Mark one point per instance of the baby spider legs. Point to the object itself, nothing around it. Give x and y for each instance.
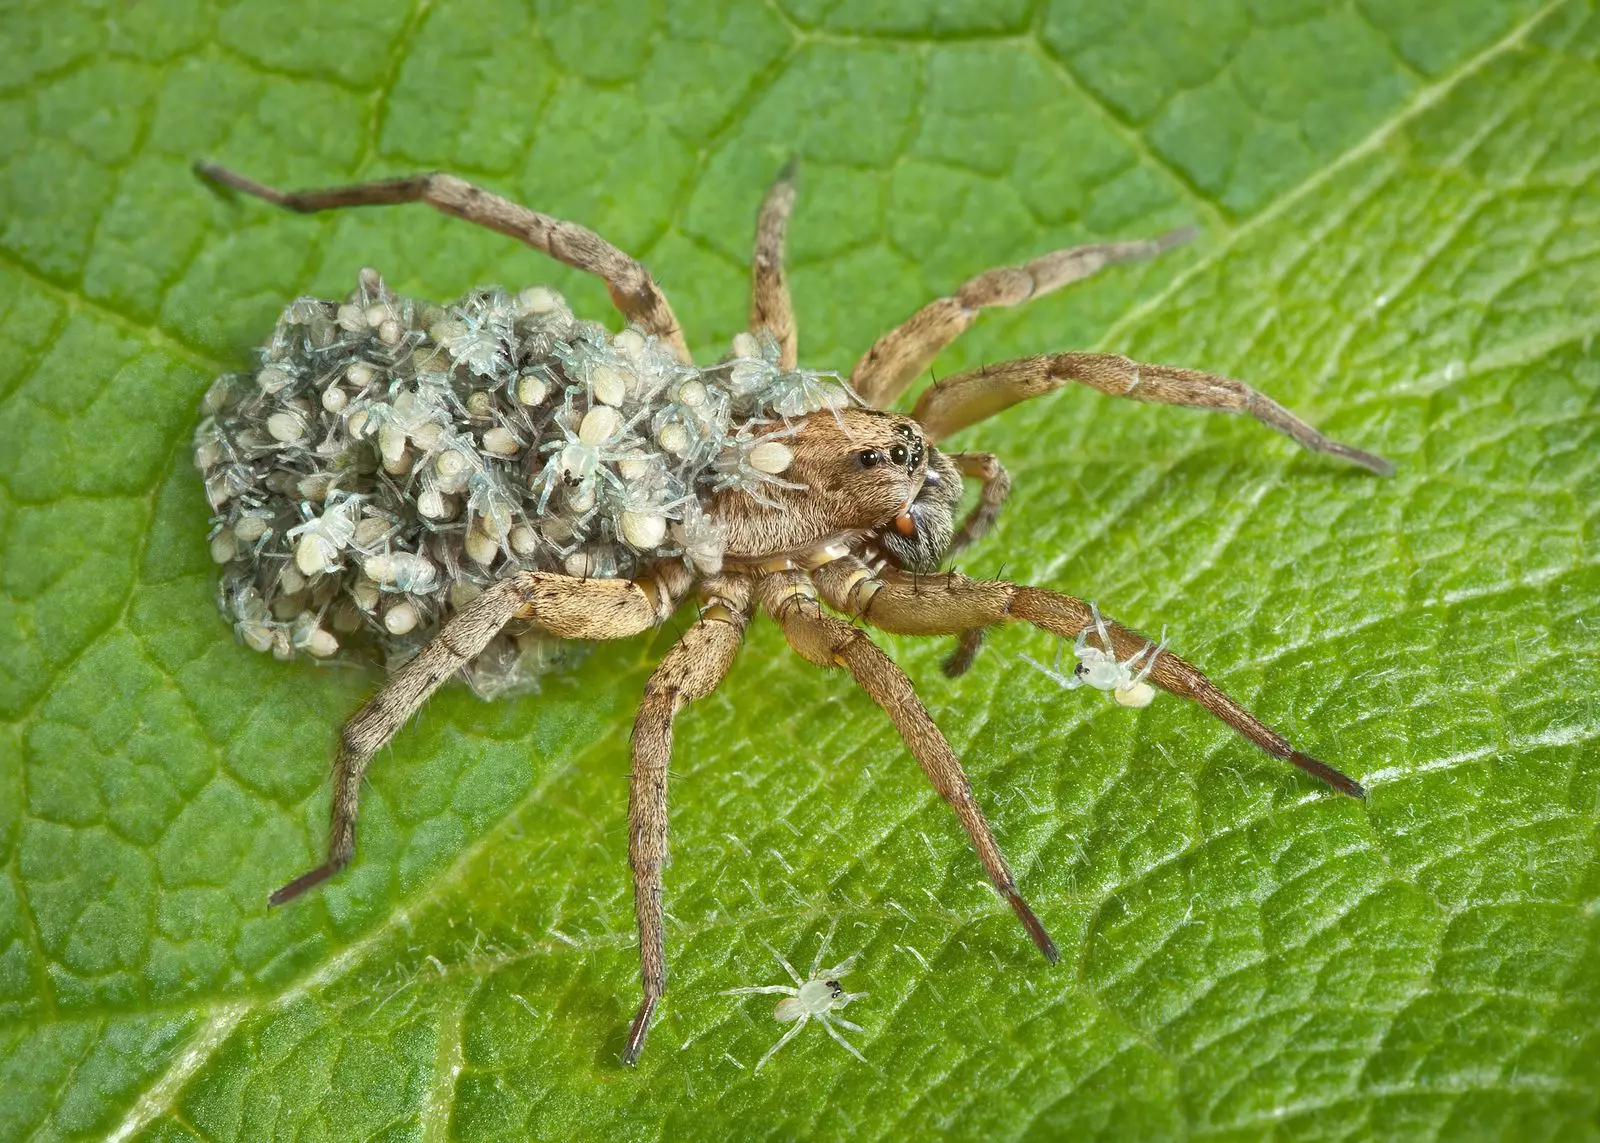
(819, 995)
(1099, 668)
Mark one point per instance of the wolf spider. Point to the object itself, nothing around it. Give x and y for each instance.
(862, 528)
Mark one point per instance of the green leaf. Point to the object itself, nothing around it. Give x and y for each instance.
(1400, 207)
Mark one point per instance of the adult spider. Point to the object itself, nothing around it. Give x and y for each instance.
(498, 463)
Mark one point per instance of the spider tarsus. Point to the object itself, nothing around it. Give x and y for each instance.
(961, 659)
(309, 880)
(233, 180)
(1370, 461)
(1337, 779)
(1034, 926)
(638, 1031)
(1175, 237)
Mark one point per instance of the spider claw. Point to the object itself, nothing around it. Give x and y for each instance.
(638, 1032)
(308, 880)
(1034, 926)
(1337, 779)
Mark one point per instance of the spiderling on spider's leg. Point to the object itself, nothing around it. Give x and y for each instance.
(459, 488)
(1099, 668)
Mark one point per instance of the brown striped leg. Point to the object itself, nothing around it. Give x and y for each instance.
(567, 607)
(632, 289)
(770, 307)
(899, 356)
(830, 642)
(690, 671)
(950, 604)
(967, 398)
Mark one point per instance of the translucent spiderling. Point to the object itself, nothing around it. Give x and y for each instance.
(321, 539)
(819, 995)
(1097, 667)
(478, 332)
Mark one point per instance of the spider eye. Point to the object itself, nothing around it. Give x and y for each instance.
(898, 455)
(836, 988)
(869, 458)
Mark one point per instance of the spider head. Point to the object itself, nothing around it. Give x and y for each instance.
(895, 467)
(854, 470)
(918, 536)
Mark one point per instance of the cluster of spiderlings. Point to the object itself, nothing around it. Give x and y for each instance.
(389, 459)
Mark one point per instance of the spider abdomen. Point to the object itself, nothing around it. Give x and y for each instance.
(388, 459)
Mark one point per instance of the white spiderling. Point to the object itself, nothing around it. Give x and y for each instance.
(820, 995)
(1098, 667)
(386, 460)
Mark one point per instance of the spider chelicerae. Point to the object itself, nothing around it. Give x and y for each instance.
(425, 481)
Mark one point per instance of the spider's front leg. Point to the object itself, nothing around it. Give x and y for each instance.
(950, 604)
(689, 671)
(953, 403)
(566, 607)
(898, 357)
(828, 642)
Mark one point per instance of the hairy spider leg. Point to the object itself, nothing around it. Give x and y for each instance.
(567, 607)
(898, 357)
(963, 399)
(994, 487)
(694, 666)
(789, 598)
(770, 306)
(949, 603)
(633, 291)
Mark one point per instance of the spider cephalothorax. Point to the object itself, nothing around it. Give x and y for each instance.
(851, 472)
(430, 481)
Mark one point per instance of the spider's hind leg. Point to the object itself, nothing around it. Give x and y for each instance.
(690, 670)
(632, 289)
(770, 307)
(566, 607)
(458, 643)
